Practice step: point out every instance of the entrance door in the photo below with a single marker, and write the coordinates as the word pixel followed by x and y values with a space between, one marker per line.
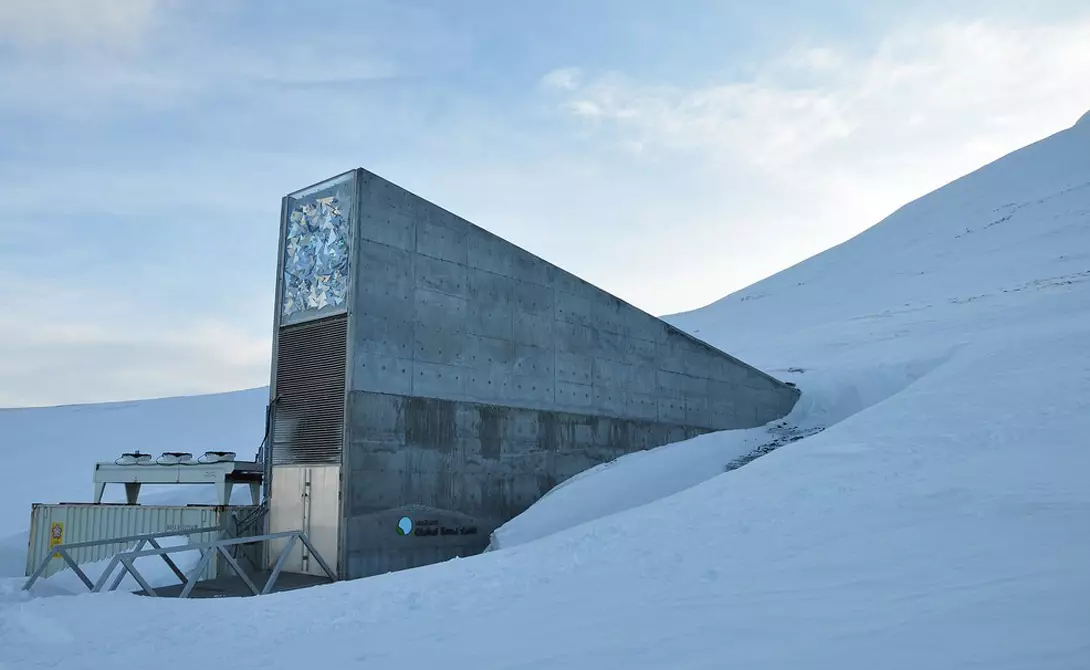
pixel 307 498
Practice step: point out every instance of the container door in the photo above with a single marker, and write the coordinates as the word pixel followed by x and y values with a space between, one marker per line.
pixel 307 498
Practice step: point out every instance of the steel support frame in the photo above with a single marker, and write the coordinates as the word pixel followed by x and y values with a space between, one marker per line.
pixel 152 538
pixel 208 550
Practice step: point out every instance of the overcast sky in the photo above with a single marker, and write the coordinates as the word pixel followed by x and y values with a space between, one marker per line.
pixel 670 152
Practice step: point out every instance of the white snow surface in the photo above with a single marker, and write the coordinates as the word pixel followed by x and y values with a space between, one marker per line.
pixel 939 520
pixel 637 479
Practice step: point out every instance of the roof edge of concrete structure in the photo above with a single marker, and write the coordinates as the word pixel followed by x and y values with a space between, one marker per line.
pixel 735 359
pixel 668 325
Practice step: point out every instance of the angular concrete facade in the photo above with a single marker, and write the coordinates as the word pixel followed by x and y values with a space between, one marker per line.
pixel 476 377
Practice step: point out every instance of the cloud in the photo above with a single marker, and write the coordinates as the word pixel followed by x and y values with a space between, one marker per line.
pixel 67 343
pixel 106 25
pixel 71 59
pixel 821 142
pixel 88 361
pixel 987 87
pixel 563 79
pixel 95 57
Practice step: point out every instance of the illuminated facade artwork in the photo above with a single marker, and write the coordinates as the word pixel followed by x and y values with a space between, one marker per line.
pixel 316 253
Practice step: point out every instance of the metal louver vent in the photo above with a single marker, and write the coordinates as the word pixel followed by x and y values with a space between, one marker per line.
pixel 310 376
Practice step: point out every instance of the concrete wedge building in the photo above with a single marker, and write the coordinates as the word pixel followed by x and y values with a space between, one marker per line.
pixel 425 369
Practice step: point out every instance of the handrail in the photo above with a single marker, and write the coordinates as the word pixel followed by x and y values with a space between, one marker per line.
pixel 208 551
pixel 226 542
pixel 134 538
pixel 62 550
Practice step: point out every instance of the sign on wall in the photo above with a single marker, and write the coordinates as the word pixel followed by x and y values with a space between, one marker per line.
pixel 56 535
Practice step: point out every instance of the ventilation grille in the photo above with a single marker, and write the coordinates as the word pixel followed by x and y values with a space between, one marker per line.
pixel 310 376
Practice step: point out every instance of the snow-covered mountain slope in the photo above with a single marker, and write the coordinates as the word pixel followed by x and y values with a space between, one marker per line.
pixel 938 521
pixel 860 322
pixel 1007 233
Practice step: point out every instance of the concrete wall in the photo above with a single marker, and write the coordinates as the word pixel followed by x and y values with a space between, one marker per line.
pixel 482 376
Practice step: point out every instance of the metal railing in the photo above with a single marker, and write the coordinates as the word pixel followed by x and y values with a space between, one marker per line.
pixel 145 538
pixel 208 551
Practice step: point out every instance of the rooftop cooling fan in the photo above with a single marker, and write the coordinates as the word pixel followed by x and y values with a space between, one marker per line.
pixel 217 457
pixel 176 458
pixel 133 458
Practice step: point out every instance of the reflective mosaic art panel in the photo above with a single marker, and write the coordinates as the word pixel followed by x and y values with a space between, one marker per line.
pixel 316 252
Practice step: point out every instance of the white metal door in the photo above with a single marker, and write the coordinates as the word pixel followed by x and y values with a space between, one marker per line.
pixel 307 498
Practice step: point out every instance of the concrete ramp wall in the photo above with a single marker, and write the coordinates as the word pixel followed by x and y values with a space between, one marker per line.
pixel 480 376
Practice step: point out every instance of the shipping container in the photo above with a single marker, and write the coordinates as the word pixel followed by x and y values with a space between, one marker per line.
pixel 66 523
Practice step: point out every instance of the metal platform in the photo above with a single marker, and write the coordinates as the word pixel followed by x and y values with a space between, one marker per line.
pixel 224 475
pixel 231 586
